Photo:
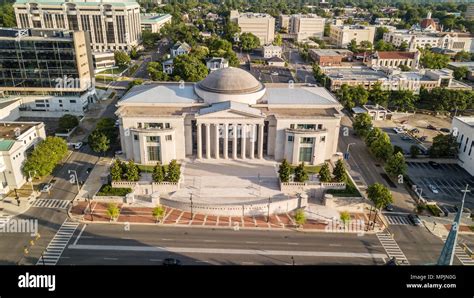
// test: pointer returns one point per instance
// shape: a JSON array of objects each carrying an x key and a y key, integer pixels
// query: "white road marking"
[
  {"x": 57, "y": 245},
  {"x": 391, "y": 247},
  {"x": 251, "y": 242},
  {"x": 229, "y": 251},
  {"x": 111, "y": 259},
  {"x": 80, "y": 234}
]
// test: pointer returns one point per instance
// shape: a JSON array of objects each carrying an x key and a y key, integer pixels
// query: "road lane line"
[{"x": 80, "y": 234}]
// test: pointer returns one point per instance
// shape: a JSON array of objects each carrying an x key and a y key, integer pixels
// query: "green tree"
[
  {"x": 107, "y": 126},
  {"x": 116, "y": 171},
  {"x": 278, "y": 40},
  {"x": 382, "y": 147},
  {"x": 352, "y": 46},
  {"x": 231, "y": 30},
  {"x": 155, "y": 69},
  {"x": 133, "y": 83},
  {"x": 300, "y": 173},
  {"x": 158, "y": 213},
  {"x": 133, "y": 172},
  {"x": 402, "y": 100},
  {"x": 67, "y": 122},
  {"x": 403, "y": 46},
  {"x": 365, "y": 45},
  {"x": 122, "y": 58},
  {"x": 200, "y": 52},
  {"x": 248, "y": 41},
  {"x": 339, "y": 171},
  {"x": 379, "y": 32},
  {"x": 113, "y": 211},
  {"x": 381, "y": 45},
  {"x": 460, "y": 73},
  {"x": 174, "y": 171},
  {"x": 377, "y": 95},
  {"x": 397, "y": 149},
  {"x": 443, "y": 146},
  {"x": 189, "y": 68},
  {"x": 362, "y": 124},
  {"x": 134, "y": 53},
  {"x": 325, "y": 173},
  {"x": 414, "y": 151},
  {"x": 284, "y": 171},
  {"x": 462, "y": 56},
  {"x": 360, "y": 95},
  {"x": 379, "y": 195},
  {"x": 433, "y": 60},
  {"x": 149, "y": 39},
  {"x": 98, "y": 141},
  {"x": 45, "y": 156},
  {"x": 396, "y": 165},
  {"x": 300, "y": 217},
  {"x": 158, "y": 173},
  {"x": 345, "y": 217},
  {"x": 7, "y": 15}
]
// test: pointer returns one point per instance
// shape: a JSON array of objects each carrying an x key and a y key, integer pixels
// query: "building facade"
[
  {"x": 17, "y": 140},
  {"x": 111, "y": 24},
  {"x": 306, "y": 26},
  {"x": 469, "y": 14},
  {"x": 229, "y": 115},
  {"x": 154, "y": 22},
  {"x": 389, "y": 59},
  {"x": 50, "y": 69},
  {"x": 260, "y": 24},
  {"x": 328, "y": 57},
  {"x": 341, "y": 36},
  {"x": 272, "y": 51},
  {"x": 463, "y": 129}
]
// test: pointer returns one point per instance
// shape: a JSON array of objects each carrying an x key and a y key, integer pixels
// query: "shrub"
[
  {"x": 174, "y": 171},
  {"x": 325, "y": 173},
  {"x": 300, "y": 217},
  {"x": 113, "y": 211},
  {"x": 434, "y": 210},
  {"x": 284, "y": 171},
  {"x": 340, "y": 171},
  {"x": 108, "y": 190},
  {"x": 300, "y": 173},
  {"x": 158, "y": 173}
]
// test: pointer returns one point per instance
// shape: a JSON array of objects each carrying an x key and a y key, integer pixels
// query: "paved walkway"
[
  {"x": 96, "y": 179},
  {"x": 175, "y": 217}
]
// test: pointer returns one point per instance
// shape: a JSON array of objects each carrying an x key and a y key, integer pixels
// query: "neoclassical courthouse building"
[{"x": 229, "y": 115}]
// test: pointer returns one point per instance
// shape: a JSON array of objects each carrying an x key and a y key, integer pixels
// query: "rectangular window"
[
  {"x": 135, "y": 137},
  {"x": 307, "y": 140},
  {"x": 306, "y": 126},
  {"x": 460, "y": 141},
  {"x": 465, "y": 145},
  {"x": 292, "y": 126},
  {"x": 72, "y": 101},
  {"x": 323, "y": 139},
  {"x": 167, "y": 125},
  {"x": 470, "y": 149},
  {"x": 305, "y": 154},
  {"x": 154, "y": 153},
  {"x": 154, "y": 125},
  {"x": 153, "y": 139},
  {"x": 320, "y": 126},
  {"x": 290, "y": 138},
  {"x": 169, "y": 138}
]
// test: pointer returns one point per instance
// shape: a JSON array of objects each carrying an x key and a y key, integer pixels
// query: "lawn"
[
  {"x": 149, "y": 168},
  {"x": 309, "y": 169},
  {"x": 107, "y": 190},
  {"x": 114, "y": 70},
  {"x": 350, "y": 191}
]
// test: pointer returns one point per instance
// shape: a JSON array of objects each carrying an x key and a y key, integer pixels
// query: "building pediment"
[{"x": 230, "y": 110}]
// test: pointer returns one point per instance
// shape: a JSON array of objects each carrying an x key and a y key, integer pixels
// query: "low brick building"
[{"x": 324, "y": 57}]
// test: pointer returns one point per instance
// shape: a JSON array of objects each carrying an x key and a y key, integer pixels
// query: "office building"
[
  {"x": 260, "y": 24},
  {"x": 342, "y": 35},
  {"x": 154, "y": 22},
  {"x": 463, "y": 129},
  {"x": 305, "y": 26}
]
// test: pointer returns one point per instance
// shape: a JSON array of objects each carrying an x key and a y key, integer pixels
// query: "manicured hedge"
[{"x": 108, "y": 190}]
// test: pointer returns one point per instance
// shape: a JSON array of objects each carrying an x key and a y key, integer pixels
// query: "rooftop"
[
  {"x": 298, "y": 95},
  {"x": 154, "y": 18},
  {"x": 161, "y": 93},
  {"x": 395, "y": 55},
  {"x": 354, "y": 74},
  {"x": 81, "y": 2},
  {"x": 10, "y": 131},
  {"x": 466, "y": 120},
  {"x": 39, "y": 34},
  {"x": 469, "y": 65}
]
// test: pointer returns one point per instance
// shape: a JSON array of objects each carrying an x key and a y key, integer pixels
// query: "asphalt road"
[{"x": 149, "y": 245}]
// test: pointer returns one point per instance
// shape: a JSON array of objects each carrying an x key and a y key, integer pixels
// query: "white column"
[
  {"x": 208, "y": 140},
  {"x": 252, "y": 141},
  {"x": 243, "y": 137},
  {"x": 226, "y": 140},
  {"x": 199, "y": 141},
  {"x": 216, "y": 145},
  {"x": 234, "y": 141},
  {"x": 260, "y": 140}
]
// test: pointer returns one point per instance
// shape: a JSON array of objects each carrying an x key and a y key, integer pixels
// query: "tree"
[
  {"x": 200, "y": 52},
  {"x": 133, "y": 172},
  {"x": 352, "y": 46},
  {"x": 133, "y": 83},
  {"x": 377, "y": 95},
  {"x": 122, "y": 58},
  {"x": 174, "y": 171},
  {"x": 113, "y": 211},
  {"x": 155, "y": 69},
  {"x": 158, "y": 173},
  {"x": 7, "y": 15},
  {"x": 325, "y": 173},
  {"x": 67, "y": 122},
  {"x": 362, "y": 124},
  {"x": 373, "y": 135},
  {"x": 158, "y": 213},
  {"x": 397, "y": 149},
  {"x": 300, "y": 173},
  {"x": 460, "y": 73},
  {"x": 396, "y": 165},
  {"x": 433, "y": 60},
  {"x": 278, "y": 40},
  {"x": 339, "y": 171},
  {"x": 379, "y": 195},
  {"x": 381, "y": 45},
  {"x": 403, "y": 46},
  {"x": 402, "y": 100},
  {"x": 98, "y": 141},
  {"x": 300, "y": 217},
  {"x": 116, "y": 171},
  {"x": 107, "y": 127},
  {"x": 189, "y": 68},
  {"x": 248, "y": 41},
  {"x": 45, "y": 156},
  {"x": 360, "y": 95},
  {"x": 231, "y": 30},
  {"x": 443, "y": 146},
  {"x": 365, "y": 45},
  {"x": 345, "y": 217},
  {"x": 382, "y": 147},
  {"x": 134, "y": 52},
  {"x": 404, "y": 67},
  {"x": 149, "y": 38},
  {"x": 284, "y": 171},
  {"x": 462, "y": 56},
  {"x": 379, "y": 32},
  {"x": 414, "y": 151}
]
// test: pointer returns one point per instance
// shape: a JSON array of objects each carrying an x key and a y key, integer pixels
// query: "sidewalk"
[
  {"x": 441, "y": 226},
  {"x": 94, "y": 182},
  {"x": 9, "y": 206}
]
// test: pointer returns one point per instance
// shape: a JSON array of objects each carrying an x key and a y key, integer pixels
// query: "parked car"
[
  {"x": 389, "y": 207},
  {"x": 88, "y": 170},
  {"x": 423, "y": 138},
  {"x": 415, "y": 219},
  {"x": 171, "y": 262},
  {"x": 444, "y": 210},
  {"x": 444, "y": 129},
  {"x": 434, "y": 164},
  {"x": 431, "y": 127},
  {"x": 398, "y": 130},
  {"x": 46, "y": 187},
  {"x": 433, "y": 188},
  {"x": 117, "y": 123},
  {"x": 415, "y": 130},
  {"x": 78, "y": 146},
  {"x": 405, "y": 138}
]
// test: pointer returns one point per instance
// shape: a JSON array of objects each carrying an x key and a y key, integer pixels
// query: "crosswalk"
[
  {"x": 397, "y": 220},
  {"x": 392, "y": 248},
  {"x": 51, "y": 203},
  {"x": 57, "y": 245},
  {"x": 461, "y": 255},
  {"x": 4, "y": 219}
]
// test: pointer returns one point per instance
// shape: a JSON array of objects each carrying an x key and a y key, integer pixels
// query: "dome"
[{"x": 230, "y": 84}]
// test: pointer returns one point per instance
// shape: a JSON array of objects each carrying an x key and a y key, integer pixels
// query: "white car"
[
  {"x": 398, "y": 130},
  {"x": 78, "y": 146},
  {"x": 433, "y": 188},
  {"x": 46, "y": 187}
]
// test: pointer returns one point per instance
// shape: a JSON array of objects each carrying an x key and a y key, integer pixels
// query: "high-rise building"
[
  {"x": 154, "y": 22},
  {"x": 50, "y": 70},
  {"x": 341, "y": 36},
  {"x": 111, "y": 24},
  {"x": 261, "y": 25},
  {"x": 306, "y": 26},
  {"x": 469, "y": 12}
]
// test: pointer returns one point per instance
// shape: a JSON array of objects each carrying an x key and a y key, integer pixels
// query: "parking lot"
[
  {"x": 447, "y": 179},
  {"x": 398, "y": 140},
  {"x": 272, "y": 74}
]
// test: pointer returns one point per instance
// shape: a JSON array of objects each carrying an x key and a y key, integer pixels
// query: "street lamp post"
[
  {"x": 77, "y": 180},
  {"x": 268, "y": 214},
  {"x": 347, "y": 149},
  {"x": 191, "y": 199}
]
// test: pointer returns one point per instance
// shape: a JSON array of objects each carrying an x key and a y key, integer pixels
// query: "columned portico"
[
  {"x": 243, "y": 138},
  {"x": 208, "y": 140},
  {"x": 252, "y": 141},
  {"x": 234, "y": 141}
]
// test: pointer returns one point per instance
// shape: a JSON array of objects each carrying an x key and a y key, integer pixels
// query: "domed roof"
[{"x": 230, "y": 80}]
